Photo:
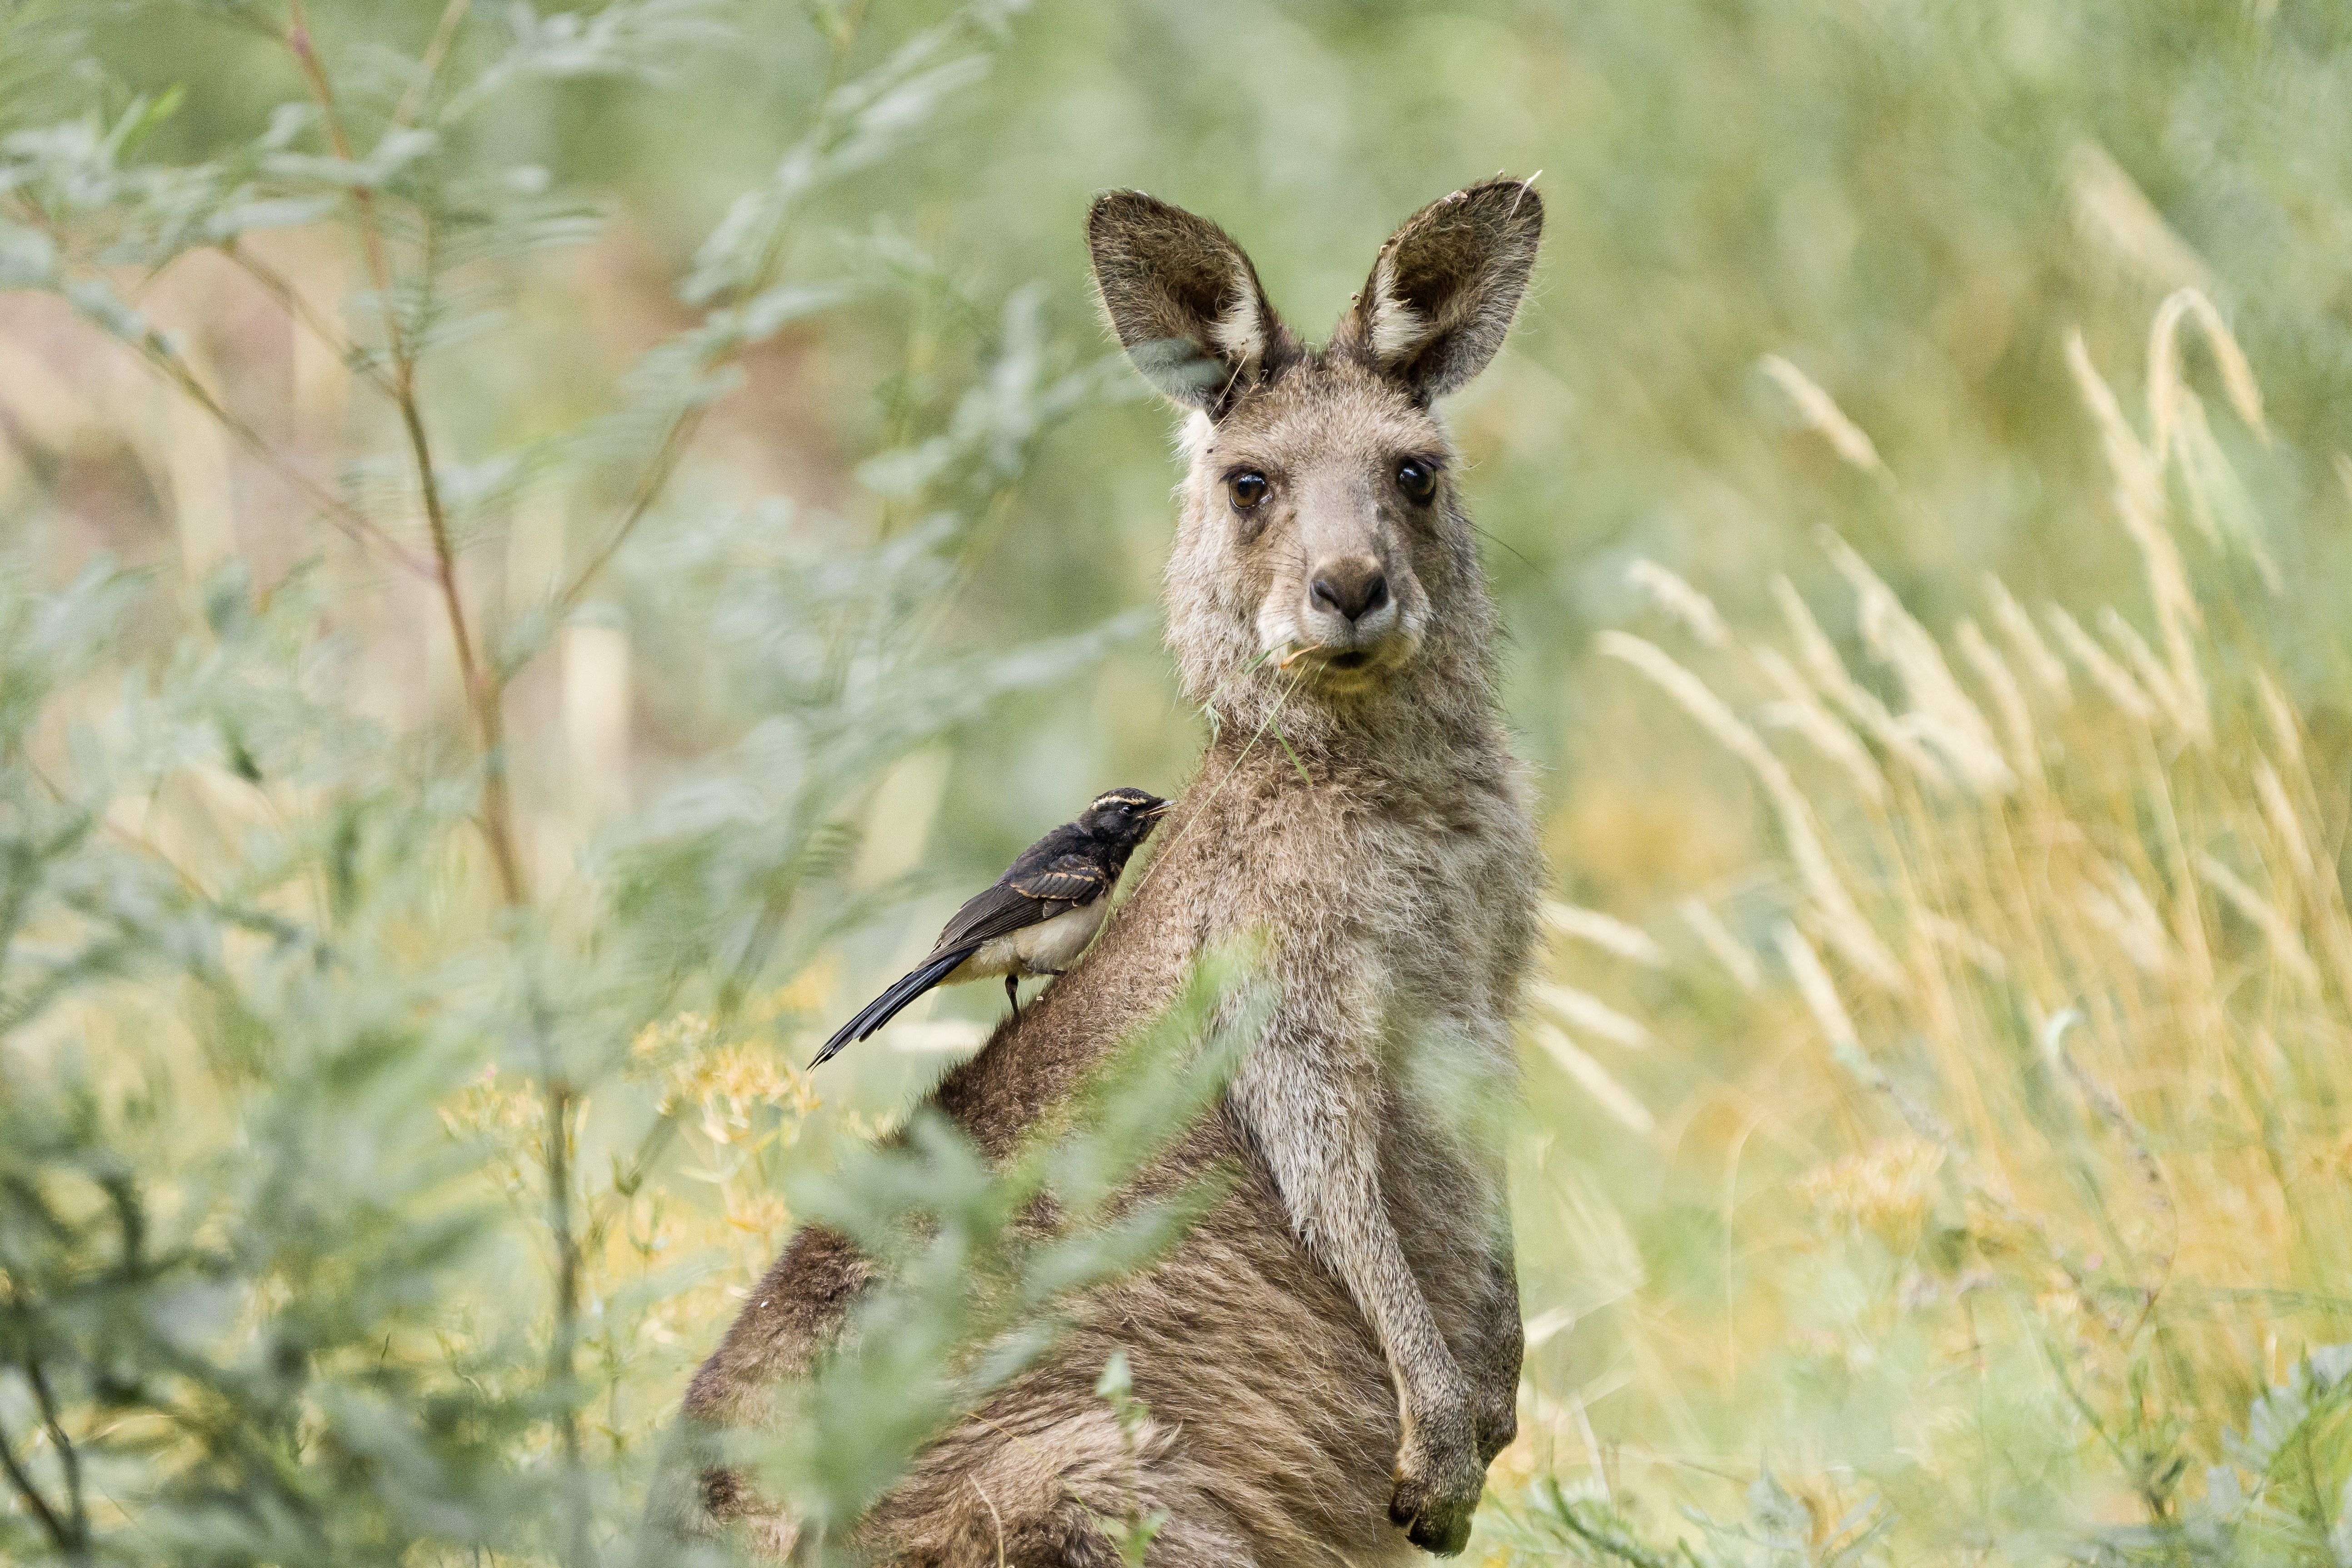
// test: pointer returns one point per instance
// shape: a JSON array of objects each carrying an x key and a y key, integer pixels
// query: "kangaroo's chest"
[
  {"x": 1449, "y": 908},
  {"x": 1447, "y": 905},
  {"x": 1433, "y": 907}
]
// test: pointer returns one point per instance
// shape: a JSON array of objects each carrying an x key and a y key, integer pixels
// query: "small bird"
[{"x": 1035, "y": 920}]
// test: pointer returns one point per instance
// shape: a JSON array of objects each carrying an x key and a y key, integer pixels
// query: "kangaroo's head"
[{"x": 1323, "y": 560}]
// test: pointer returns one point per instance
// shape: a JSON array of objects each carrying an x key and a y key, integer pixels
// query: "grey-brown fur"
[{"x": 1338, "y": 1345}]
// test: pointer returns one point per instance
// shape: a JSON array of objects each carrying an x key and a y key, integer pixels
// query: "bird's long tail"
[{"x": 885, "y": 1007}]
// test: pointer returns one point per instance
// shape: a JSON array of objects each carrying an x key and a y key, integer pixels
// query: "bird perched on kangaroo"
[
  {"x": 1032, "y": 920},
  {"x": 1330, "y": 1358}
]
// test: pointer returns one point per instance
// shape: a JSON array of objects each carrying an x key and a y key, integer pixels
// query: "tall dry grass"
[{"x": 1994, "y": 1160}]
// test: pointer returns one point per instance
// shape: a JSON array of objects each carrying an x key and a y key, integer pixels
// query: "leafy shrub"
[{"x": 384, "y": 1112}]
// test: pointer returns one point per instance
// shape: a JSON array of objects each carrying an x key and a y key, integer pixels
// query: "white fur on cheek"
[
  {"x": 1413, "y": 628},
  {"x": 1276, "y": 626}
]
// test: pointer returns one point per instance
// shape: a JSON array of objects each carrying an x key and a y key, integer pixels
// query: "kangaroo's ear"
[
  {"x": 1445, "y": 285},
  {"x": 1183, "y": 298}
]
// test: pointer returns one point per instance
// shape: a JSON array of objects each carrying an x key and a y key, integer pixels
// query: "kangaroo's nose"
[{"x": 1352, "y": 588}]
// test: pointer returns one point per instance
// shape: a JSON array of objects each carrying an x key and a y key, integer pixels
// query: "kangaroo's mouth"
[
  {"x": 1353, "y": 669},
  {"x": 1344, "y": 668}
]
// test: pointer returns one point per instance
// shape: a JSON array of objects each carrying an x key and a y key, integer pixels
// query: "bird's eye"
[
  {"x": 1247, "y": 490},
  {"x": 1417, "y": 480}
]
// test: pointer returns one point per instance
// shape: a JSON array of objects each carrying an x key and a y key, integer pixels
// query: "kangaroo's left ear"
[
  {"x": 1444, "y": 287},
  {"x": 1185, "y": 300}
]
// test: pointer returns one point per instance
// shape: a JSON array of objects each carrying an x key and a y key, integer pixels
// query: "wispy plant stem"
[
  {"x": 428, "y": 64},
  {"x": 304, "y": 49},
  {"x": 67, "y": 1458},
  {"x": 485, "y": 694},
  {"x": 167, "y": 360},
  {"x": 68, "y": 1531},
  {"x": 280, "y": 289},
  {"x": 160, "y": 355},
  {"x": 38, "y": 1505},
  {"x": 564, "y": 1349},
  {"x": 675, "y": 439}
]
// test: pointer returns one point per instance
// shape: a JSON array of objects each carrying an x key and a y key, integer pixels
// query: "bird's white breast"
[{"x": 1045, "y": 948}]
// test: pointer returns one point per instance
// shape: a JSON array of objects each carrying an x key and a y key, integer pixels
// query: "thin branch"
[
  {"x": 298, "y": 43},
  {"x": 563, "y": 1354},
  {"x": 40, "y": 1505},
  {"x": 280, "y": 288},
  {"x": 626, "y": 1181},
  {"x": 483, "y": 697},
  {"x": 158, "y": 353},
  {"x": 649, "y": 487},
  {"x": 67, "y": 1458},
  {"x": 558, "y": 1134},
  {"x": 428, "y": 64},
  {"x": 680, "y": 432},
  {"x": 340, "y": 512}
]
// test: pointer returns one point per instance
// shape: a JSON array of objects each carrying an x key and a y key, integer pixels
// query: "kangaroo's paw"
[{"x": 1436, "y": 1485}]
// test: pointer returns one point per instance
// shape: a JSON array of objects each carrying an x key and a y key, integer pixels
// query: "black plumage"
[{"x": 1069, "y": 873}]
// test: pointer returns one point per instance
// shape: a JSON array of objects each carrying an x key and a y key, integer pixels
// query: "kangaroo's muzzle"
[{"x": 1350, "y": 611}]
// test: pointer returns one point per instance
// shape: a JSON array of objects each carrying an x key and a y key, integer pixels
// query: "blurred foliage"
[
  {"x": 395, "y": 1093},
  {"x": 374, "y": 1151}
]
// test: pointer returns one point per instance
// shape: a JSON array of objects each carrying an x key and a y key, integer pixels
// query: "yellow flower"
[
  {"x": 658, "y": 1044},
  {"x": 485, "y": 1107},
  {"x": 725, "y": 1081}
]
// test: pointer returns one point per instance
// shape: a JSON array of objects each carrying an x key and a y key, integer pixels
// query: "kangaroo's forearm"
[{"x": 1319, "y": 1135}]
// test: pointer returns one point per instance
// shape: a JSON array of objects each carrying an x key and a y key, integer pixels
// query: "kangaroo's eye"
[
  {"x": 1247, "y": 490},
  {"x": 1417, "y": 480}
]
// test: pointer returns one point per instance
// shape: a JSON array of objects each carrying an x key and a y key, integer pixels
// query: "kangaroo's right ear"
[
  {"x": 1183, "y": 298},
  {"x": 1444, "y": 287}
]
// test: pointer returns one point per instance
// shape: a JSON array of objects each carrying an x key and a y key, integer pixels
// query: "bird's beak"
[{"x": 1163, "y": 809}]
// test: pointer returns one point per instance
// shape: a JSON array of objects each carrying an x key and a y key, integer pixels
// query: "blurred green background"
[{"x": 1912, "y": 205}]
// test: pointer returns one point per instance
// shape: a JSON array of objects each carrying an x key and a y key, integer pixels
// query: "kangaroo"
[{"x": 1331, "y": 1357}]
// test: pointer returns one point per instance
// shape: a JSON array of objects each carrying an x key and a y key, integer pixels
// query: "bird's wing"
[
  {"x": 1026, "y": 896},
  {"x": 994, "y": 911},
  {"x": 1071, "y": 878}
]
